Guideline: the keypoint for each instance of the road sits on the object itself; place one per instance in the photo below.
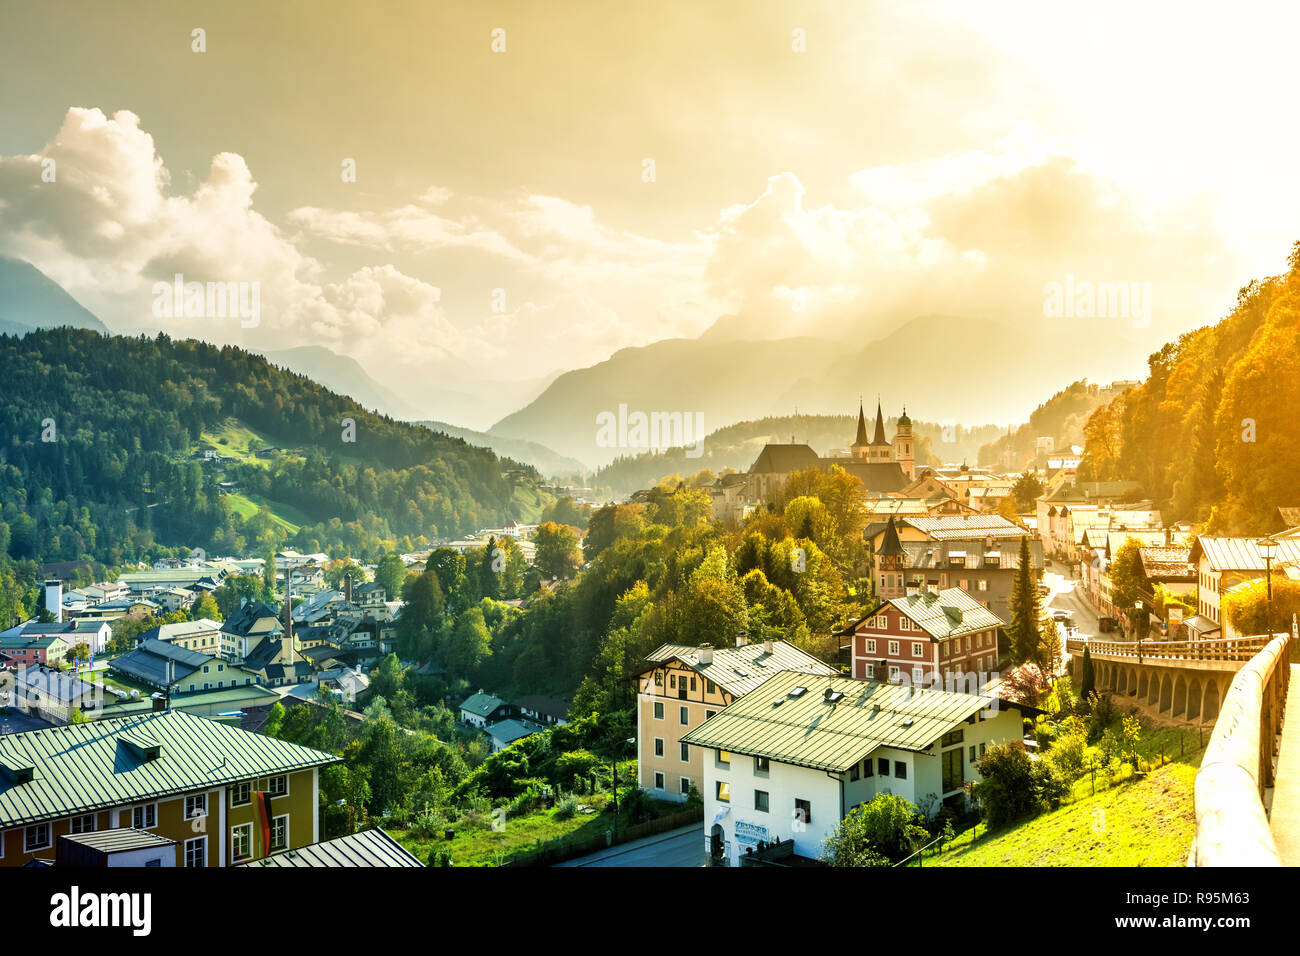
(682, 847)
(1064, 597)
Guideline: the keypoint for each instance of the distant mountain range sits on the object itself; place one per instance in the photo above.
(29, 299)
(342, 374)
(546, 461)
(942, 368)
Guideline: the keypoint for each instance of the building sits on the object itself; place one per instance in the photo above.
(482, 709)
(505, 732)
(790, 759)
(202, 636)
(53, 695)
(977, 553)
(246, 628)
(369, 848)
(163, 665)
(207, 786)
(94, 634)
(22, 651)
(544, 710)
(124, 846)
(882, 467)
(928, 638)
(1222, 564)
(682, 686)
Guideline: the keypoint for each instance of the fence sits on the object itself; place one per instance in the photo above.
(568, 847)
(1218, 649)
(1232, 828)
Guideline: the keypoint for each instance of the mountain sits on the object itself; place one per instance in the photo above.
(342, 374)
(718, 379)
(29, 299)
(1061, 418)
(99, 443)
(546, 461)
(943, 368)
(1210, 435)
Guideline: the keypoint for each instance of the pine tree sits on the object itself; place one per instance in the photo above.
(1088, 681)
(1024, 632)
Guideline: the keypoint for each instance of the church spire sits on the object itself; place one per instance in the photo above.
(861, 440)
(880, 426)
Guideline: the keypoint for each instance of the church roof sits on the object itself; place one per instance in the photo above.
(891, 545)
(780, 459)
(862, 428)
(880, 427)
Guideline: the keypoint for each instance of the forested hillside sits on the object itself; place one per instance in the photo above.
(98, 436)
(1212, 433)
(1062, 418)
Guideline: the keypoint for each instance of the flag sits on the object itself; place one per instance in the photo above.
(262, 825)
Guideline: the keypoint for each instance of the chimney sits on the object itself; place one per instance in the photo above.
(742, 639)
(347, 587)
(706, 653)
(54, 599)
(767, 646)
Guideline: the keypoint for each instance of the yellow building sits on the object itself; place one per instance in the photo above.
(684, 687)
(176, 775)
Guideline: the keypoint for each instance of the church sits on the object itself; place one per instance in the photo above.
(882, 467)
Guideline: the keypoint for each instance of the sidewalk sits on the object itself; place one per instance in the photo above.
(641, 849)
(1284, 820)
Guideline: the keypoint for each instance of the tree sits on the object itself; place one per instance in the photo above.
(882, 832)
(422, 615)
(391, 575)
(1088, 681)
(558, 555)
(1025, 610)
(468, 644)
(1026, 492)
(205, 606)
(1129, 581)
(1247, 607)
(1011, 786)
(274, 720)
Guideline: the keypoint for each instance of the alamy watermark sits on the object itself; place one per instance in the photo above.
(208, 300)
(653, 431)
(1084, 299)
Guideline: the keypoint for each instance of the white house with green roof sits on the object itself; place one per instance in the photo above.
(791, 758)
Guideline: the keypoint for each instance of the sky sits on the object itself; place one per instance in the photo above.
(539, 185)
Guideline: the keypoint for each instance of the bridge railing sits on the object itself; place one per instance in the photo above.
(1215, 649)
(1231, 826)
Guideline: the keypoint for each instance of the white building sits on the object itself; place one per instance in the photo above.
(791, 758)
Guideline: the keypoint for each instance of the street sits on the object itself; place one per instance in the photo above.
(682, 847)
(1064, 597)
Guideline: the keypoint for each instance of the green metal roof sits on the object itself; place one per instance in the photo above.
(950, 613)
(96, 765)
(738, 670)
(809, 731)
(367, 848)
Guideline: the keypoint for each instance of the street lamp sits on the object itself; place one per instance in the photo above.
(1267, 550)
(1137, 606)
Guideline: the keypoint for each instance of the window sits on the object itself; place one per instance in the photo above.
(883, 766)
(685, 716)
(659, 710)
(659, 678)
(803, 811)
(659, 746)
(900, 768)
(686, 753)
(280, 833)
(866, 767)
(984, 584)
(724, 758)
(965, 584)
(196, 851)
(870, 671)
(760, 801)
(972, 753)
(672, 681)
(196, 806)
(708, 714)
(145, 817)
(983, 747)
(241, 842)
(205, 670)
(918, 649)
(853, 772)
(710, 687)
(36, 837)
(904, 624)
(870, 646)
(722, 790)
(762, 766)
(241, 794)
(83, 824)
(951, 738)
(893, 648)
(893, 673)
(692, 683)
(952, 770)
(278, 786)
(659, 780)
(685, 784)
(918, 675)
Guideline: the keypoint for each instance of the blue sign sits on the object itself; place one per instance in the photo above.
(750, 833)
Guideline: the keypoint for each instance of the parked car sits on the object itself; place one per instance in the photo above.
(1107, 624)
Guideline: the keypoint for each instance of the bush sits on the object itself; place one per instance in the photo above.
(566, 808)
(1102, 713)
(884, 831)
(1013, 786)
(428, 824)
(1066, 756)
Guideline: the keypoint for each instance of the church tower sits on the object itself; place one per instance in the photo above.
(879, 450)
(903, 452)
(860, 446)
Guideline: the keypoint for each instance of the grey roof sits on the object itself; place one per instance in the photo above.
(119, 839)
(942, 527)
(62, 686)
(781, 459)
(508, 731)
(808, 730)
(950, 613)
(149, 661)
(738, 670)
(180, 630)
(367, 848)
(1241, 554)
(83, 767)
(548, 706)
